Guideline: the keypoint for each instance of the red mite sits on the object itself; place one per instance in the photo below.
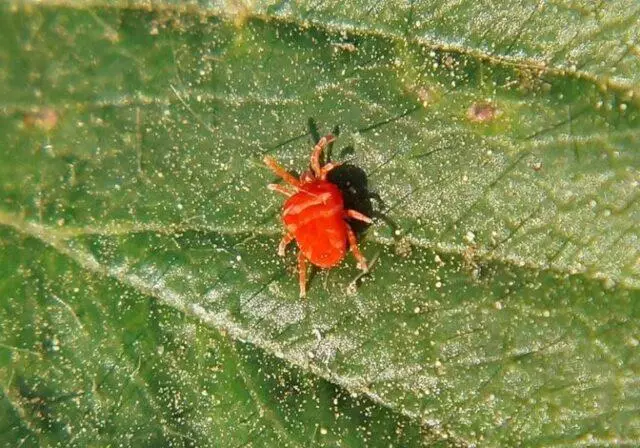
(314, 216)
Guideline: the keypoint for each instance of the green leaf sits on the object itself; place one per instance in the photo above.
(143, 300)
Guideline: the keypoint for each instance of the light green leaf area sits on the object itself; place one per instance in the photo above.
(143, 302)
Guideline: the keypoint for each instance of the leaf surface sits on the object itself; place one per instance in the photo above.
(140, 275)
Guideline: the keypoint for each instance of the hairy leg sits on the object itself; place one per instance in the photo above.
(286, 239)
(302, 271)
(280, 171)
(315, 156)
(353, 245)
(280, 189)
(328, 167)
(353, 214)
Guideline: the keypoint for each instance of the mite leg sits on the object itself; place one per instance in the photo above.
(281, 172)
(353, 245)
(317, 150)
(280, 189)
(353, 214)
(302, 271)
(328, 167)
(286, 239)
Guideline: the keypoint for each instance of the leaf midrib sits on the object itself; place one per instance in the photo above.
(56, 237)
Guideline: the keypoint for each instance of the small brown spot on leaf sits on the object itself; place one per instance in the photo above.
(45, 119)
(482, 112)
(425, 95)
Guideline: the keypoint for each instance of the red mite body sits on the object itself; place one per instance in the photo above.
(314, 215)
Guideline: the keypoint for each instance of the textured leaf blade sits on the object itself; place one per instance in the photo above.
(502, 304)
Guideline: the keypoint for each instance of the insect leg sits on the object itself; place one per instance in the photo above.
(317, 150)
(286, 239)
(326, 168)
(280, 189)
(353, 214)
(302, 270)
(280, 171)
(353, 245)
